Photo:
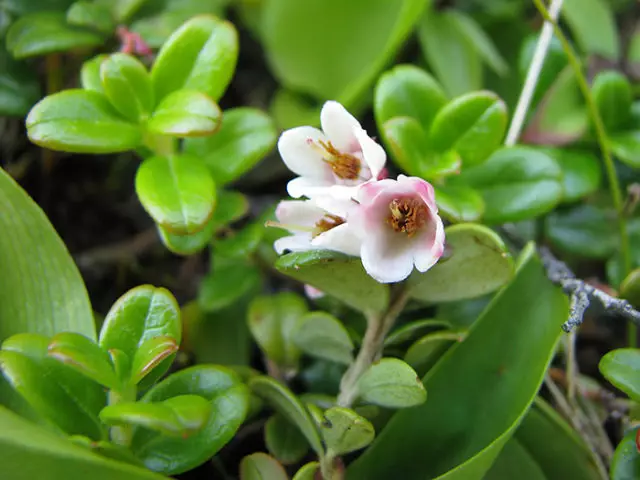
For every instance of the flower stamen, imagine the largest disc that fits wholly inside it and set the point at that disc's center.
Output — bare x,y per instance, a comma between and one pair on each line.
408,215
326,223
344,165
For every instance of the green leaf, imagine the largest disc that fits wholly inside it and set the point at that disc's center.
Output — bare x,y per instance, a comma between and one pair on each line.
185,113
473,125
188,244
273,321
425,352
141,314
64,397
19,86
28,451
245,137
85,356
322,335
450,54
290,109
90,74
94,16
479,263
337,275
612,95
593,26
286,403
344,431
80,121
391,383
180,416
47,32
124,9
625,464
630,288
407,91
581,172
459,203
177,191
307,472
231,206
260,466
241,244
626,146
127,85
516,183
487,381
230,280
407,332
364,37
621,367
150,354
201,55
284,440
229,401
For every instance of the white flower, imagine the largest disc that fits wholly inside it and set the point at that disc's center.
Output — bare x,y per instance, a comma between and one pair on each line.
341,155
316,224
399,227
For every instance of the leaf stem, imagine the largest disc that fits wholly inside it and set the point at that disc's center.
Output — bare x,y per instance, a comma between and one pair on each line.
122,434
604,144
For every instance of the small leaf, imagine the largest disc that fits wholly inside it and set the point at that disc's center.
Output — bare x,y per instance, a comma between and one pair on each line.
260,466
593,25
307,472
322,335
630,288
90,74
229,281
47,32
81,121
626,146
459,203
426,351
391,383
188,244
612,95
124,9
337,275
231,207
407,332
516,183
273,321
581,172
344,431
284,440
201,55
127,85
177,191
407,91
473,125
178,416
93,16
241,244
151,353
621,367
479,263
285,403
245,137
625,464
85,356
185,113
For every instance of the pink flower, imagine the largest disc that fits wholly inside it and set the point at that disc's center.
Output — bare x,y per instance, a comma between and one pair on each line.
341,155
312,292
399,227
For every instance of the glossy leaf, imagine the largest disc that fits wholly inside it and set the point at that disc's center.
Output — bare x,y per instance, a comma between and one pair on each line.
81,121
19,86
273,321
581,172
425,352
93,16
127,85
201,55
516,183
260,466
150,354
473,125
290,109
612,95
124,9
622,368
459,203
232,206
391,383
85,356
593,26
630,288
307,472
177,191
47,32
407,91
22,441
479,263
409,331
245,137
189,243
230,280
344,431
90,73
337,275
229,402
185,113
625,464
241,244
626,146
461,382
322,335
284,440
285,402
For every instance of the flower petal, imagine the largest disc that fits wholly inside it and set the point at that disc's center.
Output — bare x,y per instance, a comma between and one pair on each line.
369,190
340,239
387,256
308,187
374,155
294,243
302,154
429,246
335,204
338,125
302,213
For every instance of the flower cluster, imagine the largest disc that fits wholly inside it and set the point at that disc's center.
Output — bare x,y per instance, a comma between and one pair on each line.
392,225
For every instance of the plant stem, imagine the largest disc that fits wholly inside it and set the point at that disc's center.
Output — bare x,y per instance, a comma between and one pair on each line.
377,328
603,142
122,434
533,74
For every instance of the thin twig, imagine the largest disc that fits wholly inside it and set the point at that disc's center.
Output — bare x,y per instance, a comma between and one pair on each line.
118,252
571,366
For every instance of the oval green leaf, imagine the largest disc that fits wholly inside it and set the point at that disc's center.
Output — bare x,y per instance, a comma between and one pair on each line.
626,146
284,440
612,95
344,431
459,203
425,352
622,368
625,464
150,354
230,280
307,472
90,73
322,335
391,383
581,172
260,466
185,113
188,244
127,85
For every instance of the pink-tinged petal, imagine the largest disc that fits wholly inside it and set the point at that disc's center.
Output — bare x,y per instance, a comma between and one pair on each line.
338,124
369,190
335,204
308,187
299,212
429,246
302,154
312,292
339,239
387,256
374,155
293,243
422,188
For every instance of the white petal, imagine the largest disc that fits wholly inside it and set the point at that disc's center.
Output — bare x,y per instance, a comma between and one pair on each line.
302,154
387,256
294,243
335,205
369,190
429,246
338,124
374,155
308,187
339,239
299,212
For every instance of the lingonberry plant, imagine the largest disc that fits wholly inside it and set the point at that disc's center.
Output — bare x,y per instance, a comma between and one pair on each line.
408,308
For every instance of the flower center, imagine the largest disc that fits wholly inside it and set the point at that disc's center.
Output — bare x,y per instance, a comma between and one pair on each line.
407,215
344,165
326,223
